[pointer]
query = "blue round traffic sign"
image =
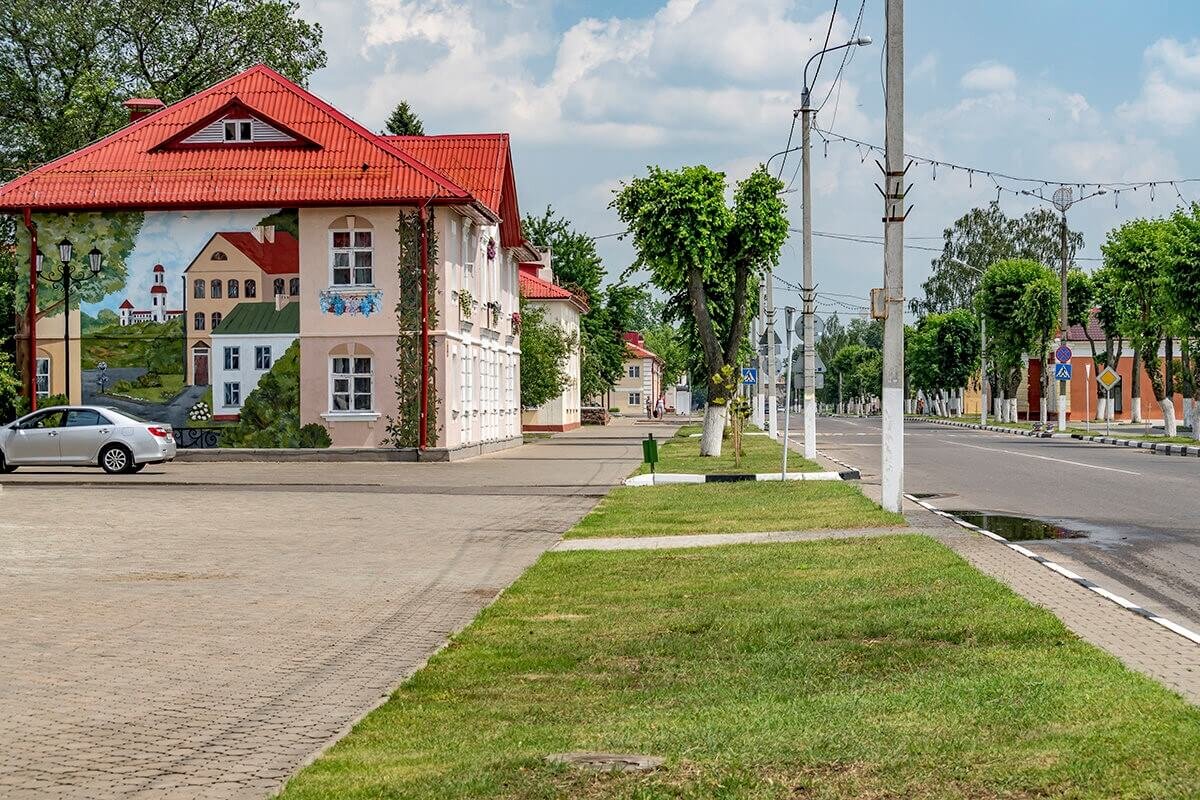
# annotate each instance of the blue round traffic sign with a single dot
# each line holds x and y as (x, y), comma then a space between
(1063, 354)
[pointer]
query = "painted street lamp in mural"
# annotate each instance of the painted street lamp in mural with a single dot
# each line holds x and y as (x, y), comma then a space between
(66, 278)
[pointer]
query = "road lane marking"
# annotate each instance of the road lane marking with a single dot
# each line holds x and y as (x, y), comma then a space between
(1158, 619)
(1043, 458)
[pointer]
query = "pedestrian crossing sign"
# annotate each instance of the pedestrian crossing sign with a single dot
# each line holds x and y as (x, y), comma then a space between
(1108, 378)
(1062, 372)
(750, 376)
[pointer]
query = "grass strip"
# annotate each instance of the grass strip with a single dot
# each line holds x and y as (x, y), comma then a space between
(732, 508)
(867, 668)
(759, 454)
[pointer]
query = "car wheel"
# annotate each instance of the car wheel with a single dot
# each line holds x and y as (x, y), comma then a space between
(137, 468)
(6, 467)
(115, 459)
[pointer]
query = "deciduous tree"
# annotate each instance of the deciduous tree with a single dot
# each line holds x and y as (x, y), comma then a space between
(690, 240)
(545, 348)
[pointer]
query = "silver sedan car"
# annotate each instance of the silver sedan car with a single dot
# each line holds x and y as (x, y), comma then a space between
(85, 436)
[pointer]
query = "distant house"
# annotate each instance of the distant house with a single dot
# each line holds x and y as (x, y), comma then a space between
(564, 308)
(245, 345)
(642, 379)
(231, 267)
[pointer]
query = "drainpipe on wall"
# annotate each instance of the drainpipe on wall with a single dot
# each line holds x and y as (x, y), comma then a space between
(32, 309)
(423, 436)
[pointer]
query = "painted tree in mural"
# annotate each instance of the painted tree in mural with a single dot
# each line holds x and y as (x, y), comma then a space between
(693, 244)
(404, 426)
(270, 416)
(113, 233)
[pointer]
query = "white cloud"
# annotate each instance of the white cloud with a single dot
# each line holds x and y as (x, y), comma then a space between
(1170, 96)
(989, 77)
(925, 69)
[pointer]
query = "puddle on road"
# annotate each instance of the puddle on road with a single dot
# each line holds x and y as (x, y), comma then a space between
(1014, 528)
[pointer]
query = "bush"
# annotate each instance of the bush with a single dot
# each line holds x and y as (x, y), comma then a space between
(270, 416)
(53, 400)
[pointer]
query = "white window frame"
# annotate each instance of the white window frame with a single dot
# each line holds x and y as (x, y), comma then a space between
(232, 389)
(351, 393)
(42, 370)
(232, 357)
(352, 232)
(635, 398)
(262, 352)
(241, 125)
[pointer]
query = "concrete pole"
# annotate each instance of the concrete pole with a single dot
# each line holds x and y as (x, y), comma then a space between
(755, 331)
(772, 389)
(1062, 322)
(810, 338)
(787, 403)
(892, 479)
(983, 381)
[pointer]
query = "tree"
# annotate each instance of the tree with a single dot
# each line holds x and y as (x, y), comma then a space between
(405, 122)
(693, 243)
(577, 266)
(1138, 253)
(545, 348)
(1183, 276)
(66, 67)
(980, 238)
(1004, 291)
(665, 341)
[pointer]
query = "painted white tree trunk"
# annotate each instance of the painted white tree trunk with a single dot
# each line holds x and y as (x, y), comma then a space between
(1189, 411)
(1101, 408)
(714, 428)
(1135, 409)
(1012, 409)
(1170, 425)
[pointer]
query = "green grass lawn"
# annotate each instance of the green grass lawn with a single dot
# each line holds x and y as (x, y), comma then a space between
(759, 454)
(732, 508)
(867, 668)
(171, 384)
(1098, 430)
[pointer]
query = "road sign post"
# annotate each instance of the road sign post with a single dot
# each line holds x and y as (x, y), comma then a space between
(650, 453)
(1108, 378)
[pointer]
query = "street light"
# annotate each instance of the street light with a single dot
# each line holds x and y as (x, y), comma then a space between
(66, 277)
(807, 289)
(1062, 200)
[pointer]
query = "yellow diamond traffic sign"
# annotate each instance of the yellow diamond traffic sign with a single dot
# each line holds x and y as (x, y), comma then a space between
(1108, 378)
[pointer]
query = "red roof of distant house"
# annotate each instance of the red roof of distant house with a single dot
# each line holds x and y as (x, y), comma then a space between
(481, 163)
(334, 160)
(1094, 330)
(158, 288)
(127, 304)
(534, 288)
(280, 257)
(635, 345)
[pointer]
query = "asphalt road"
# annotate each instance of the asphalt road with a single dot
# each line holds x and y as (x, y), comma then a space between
(1140, 512)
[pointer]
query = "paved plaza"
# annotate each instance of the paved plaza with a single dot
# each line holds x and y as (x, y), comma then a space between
(199, 630)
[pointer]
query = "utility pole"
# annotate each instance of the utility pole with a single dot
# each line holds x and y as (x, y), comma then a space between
(1062, 320)
(893, 265)
(787, 407)
(756, 408)
(810, 334)
(772, 425)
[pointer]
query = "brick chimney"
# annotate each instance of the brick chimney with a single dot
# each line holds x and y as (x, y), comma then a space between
(280, 301)
(264, 233)
(142, 107)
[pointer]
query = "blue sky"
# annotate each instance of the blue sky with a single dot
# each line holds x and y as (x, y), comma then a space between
(592, 92)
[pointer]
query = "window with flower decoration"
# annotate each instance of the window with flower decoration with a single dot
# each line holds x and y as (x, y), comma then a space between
(351, 252)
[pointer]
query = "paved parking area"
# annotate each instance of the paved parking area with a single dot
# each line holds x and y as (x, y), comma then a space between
(199, 630)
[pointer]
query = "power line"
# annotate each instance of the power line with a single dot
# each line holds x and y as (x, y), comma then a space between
(847, 56)
(828, 31)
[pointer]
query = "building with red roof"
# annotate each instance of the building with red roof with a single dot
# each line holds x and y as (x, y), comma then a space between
(642, 381)
(271, 191)
(562, 307)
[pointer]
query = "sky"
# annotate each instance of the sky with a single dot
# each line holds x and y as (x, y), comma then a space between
(1077, 91)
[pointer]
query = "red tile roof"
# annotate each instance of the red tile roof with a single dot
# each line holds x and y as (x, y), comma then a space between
(127, 304)
(137, 167)
(1094, 329)
(281, 257)
(479, 162)
(534, 288)
(637, 351)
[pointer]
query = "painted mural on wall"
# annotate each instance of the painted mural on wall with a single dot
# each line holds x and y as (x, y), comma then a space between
(167, 281)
